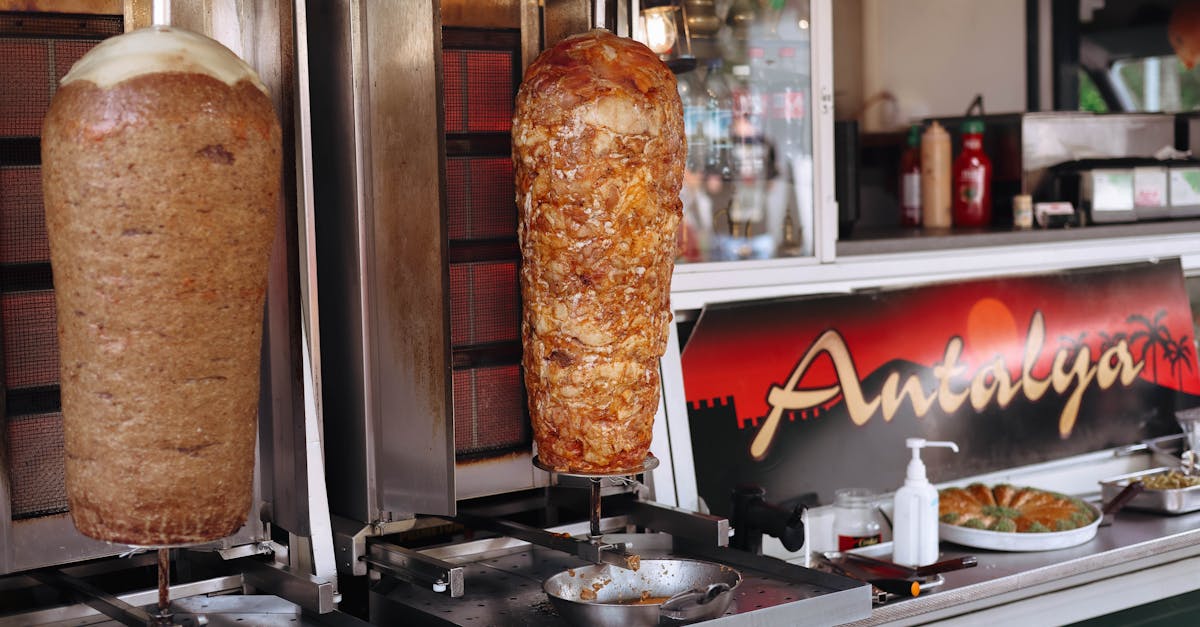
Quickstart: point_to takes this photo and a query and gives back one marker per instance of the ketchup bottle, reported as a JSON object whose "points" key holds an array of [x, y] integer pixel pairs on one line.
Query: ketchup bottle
{"points": [[972, 179], [910, 179]]}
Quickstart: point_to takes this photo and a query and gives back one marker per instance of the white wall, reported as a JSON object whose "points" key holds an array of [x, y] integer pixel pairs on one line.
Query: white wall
{"points": [[934, 56]]}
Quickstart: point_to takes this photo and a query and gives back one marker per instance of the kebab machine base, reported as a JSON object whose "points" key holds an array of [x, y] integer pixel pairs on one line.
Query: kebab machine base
{"points": [[645, 564]]}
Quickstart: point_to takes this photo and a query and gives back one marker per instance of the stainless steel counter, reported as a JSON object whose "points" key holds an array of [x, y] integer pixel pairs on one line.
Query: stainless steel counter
{"points": [[1141, 557]]}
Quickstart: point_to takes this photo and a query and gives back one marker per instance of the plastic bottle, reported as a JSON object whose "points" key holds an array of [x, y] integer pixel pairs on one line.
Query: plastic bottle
{"points": [[915, 517], [972, 179], [748, 149], [910, 179], [787, 106], [695, 229], [935, 177], [718, 122], [694, 99]]}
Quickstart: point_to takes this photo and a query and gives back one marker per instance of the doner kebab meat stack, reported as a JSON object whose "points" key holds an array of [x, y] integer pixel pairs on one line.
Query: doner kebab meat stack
{"points": [[598, 148], [161, 164]]}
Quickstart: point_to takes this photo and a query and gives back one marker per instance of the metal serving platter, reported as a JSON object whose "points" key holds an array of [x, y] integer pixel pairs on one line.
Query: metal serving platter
{"points": [[1012, 541], [1172, 501]]}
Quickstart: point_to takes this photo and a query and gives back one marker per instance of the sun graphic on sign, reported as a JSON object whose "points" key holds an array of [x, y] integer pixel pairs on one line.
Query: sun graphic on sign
{"points": [[991, 329]]}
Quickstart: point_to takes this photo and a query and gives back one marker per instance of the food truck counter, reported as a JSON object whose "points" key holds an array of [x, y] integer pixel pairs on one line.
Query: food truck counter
{"points": [[1141, 557]]}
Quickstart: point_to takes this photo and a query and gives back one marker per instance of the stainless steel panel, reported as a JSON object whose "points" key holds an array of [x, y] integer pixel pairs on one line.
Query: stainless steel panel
{"points": [[531, 32], [380, 207], [409, 273], [482, 13], [137, 14], [561, 18], [339, 147], [270, 42]]}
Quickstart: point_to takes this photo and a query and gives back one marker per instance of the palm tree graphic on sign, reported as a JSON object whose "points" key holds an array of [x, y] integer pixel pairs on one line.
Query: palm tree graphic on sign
{"points": [[1179, 355], [1154, 337]]}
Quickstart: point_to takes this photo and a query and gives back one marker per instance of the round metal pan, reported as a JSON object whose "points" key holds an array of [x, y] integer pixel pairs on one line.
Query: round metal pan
{"points": [[1011, 541], [601, 594]]}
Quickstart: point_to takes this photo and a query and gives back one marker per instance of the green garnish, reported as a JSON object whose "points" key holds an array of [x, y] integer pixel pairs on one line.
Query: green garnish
{"points": [[1000, 512], [1004, 524]]}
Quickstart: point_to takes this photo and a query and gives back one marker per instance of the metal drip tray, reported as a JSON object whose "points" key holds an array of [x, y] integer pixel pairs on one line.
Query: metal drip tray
{"points": [[504, 587]]}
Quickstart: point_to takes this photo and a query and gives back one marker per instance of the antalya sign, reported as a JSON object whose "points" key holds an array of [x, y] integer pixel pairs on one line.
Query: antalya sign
{"points": [[944, 361], [990, 382]]}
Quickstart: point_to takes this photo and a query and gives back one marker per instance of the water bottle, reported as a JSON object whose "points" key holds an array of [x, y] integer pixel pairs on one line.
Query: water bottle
{"points": [[718, 121], [694, 99], [789, 107]]}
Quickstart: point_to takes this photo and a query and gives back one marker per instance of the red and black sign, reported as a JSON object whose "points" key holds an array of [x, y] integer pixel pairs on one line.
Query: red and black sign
{"points": [[812, 394]]}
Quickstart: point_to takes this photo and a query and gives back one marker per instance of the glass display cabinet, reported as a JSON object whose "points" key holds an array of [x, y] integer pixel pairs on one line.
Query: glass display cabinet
{"points": [[756, 122]]}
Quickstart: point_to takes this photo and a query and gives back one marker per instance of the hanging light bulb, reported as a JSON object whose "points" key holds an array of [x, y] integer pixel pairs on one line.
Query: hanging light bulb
{"points": [[660, 28]]}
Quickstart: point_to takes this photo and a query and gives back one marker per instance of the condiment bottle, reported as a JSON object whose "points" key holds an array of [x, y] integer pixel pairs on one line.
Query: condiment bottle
{"points": [[915, 517], [854, 521], [910, 179], [972, 179], [935, 177], [1023, 211]]}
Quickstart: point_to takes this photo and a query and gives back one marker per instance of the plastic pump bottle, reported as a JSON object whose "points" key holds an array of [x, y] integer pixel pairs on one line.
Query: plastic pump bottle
{"points": [[915, 518]]}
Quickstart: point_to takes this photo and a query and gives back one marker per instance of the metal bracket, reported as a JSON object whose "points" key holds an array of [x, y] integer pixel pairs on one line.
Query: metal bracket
{"points": [[416, 568], [592, 551], [350, 541], [702, 528], [310, 592]]}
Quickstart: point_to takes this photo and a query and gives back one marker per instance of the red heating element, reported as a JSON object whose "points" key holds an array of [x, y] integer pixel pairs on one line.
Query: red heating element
{"points": [[485, 304]]}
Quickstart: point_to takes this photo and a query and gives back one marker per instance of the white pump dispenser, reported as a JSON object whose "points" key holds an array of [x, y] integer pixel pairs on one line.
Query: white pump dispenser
{"points": [[915, 517]]}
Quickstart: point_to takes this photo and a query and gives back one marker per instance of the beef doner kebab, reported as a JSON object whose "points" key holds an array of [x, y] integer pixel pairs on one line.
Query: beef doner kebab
{"points": [[598, 148], [161, 164]]}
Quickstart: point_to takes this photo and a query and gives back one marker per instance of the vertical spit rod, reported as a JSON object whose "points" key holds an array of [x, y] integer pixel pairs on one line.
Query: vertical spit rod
{"points": [[595, 502], [164, 577]]}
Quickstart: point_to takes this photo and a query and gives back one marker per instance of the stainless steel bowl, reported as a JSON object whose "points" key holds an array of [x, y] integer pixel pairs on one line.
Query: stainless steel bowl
{"points": [[660, 592]]}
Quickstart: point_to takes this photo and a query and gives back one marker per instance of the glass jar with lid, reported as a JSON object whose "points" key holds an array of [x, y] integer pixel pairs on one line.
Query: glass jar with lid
{"points": [[855, 522]]}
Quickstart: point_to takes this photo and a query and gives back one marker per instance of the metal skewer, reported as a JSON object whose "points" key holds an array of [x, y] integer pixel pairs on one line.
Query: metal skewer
{"points": [[594, 523], [164, 588], [598, 550]]}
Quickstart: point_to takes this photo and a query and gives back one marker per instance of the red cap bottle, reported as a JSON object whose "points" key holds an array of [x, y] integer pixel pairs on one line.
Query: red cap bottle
{"points": [[972, 179]]}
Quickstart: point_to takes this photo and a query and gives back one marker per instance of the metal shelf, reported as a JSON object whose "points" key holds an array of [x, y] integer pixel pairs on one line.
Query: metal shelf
{"points": [[865, 264]]}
